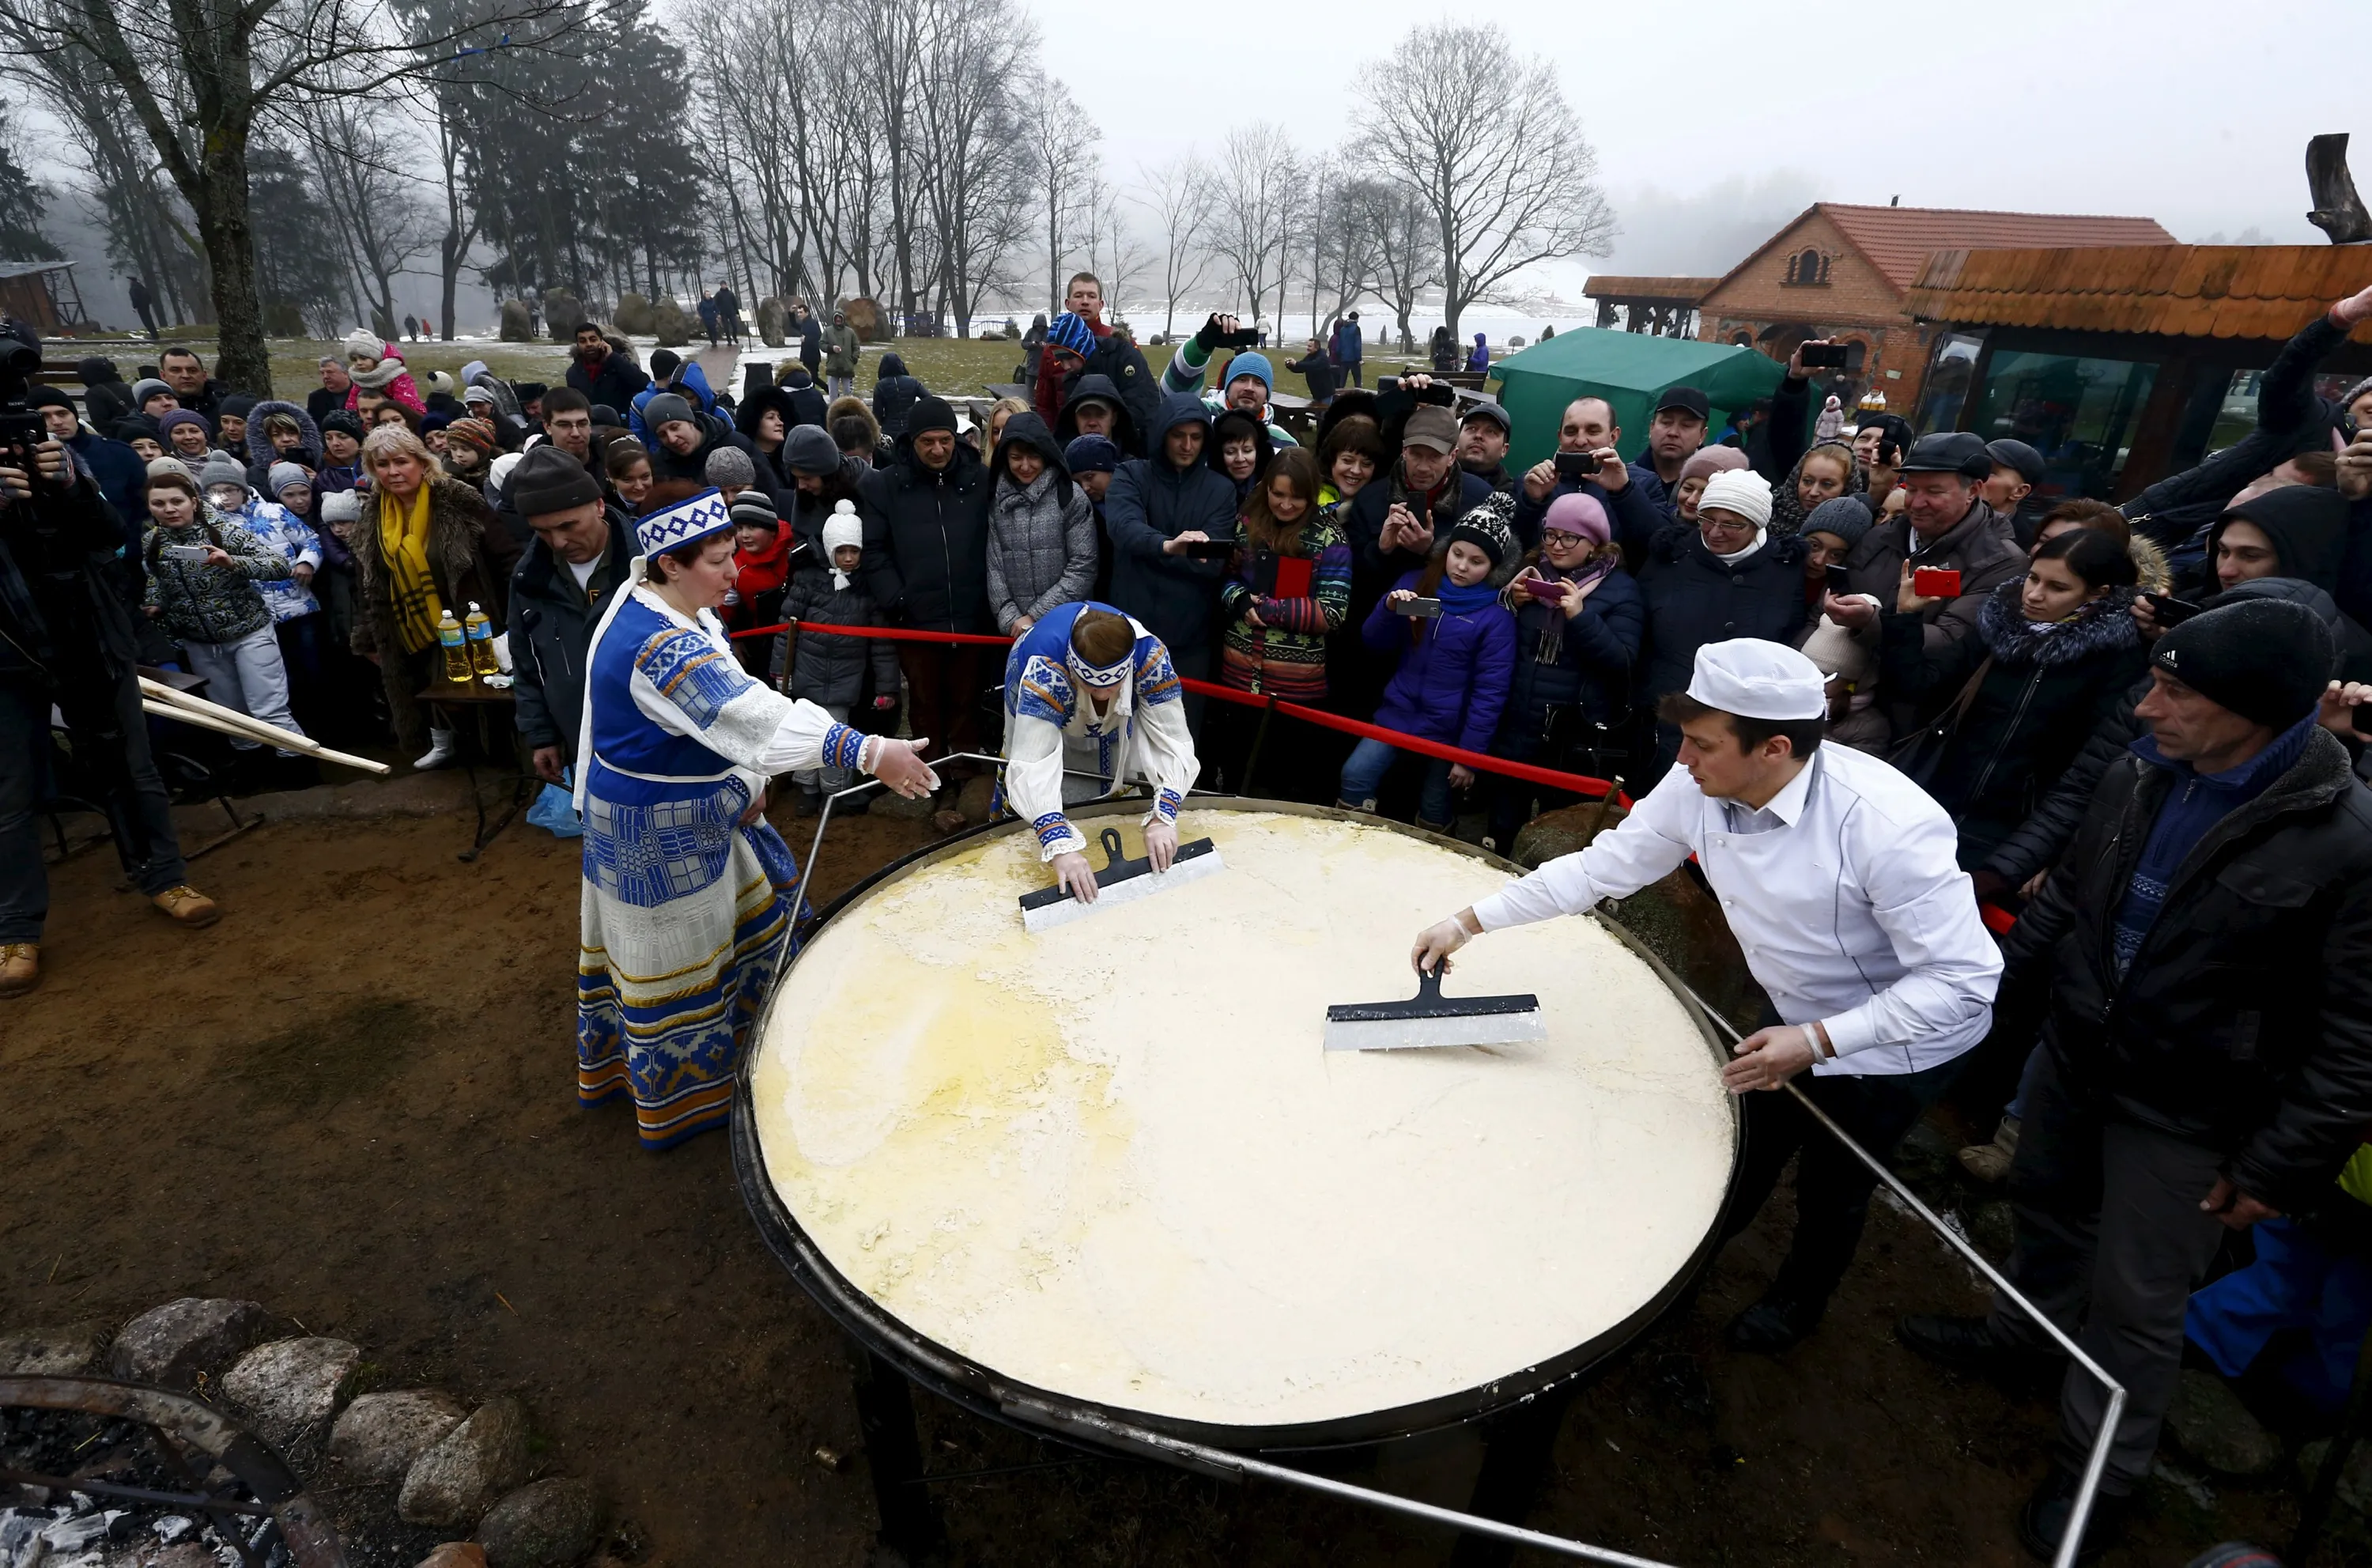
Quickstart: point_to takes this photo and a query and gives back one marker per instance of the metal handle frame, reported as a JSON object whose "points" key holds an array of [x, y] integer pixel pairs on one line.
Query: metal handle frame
{"points": [[1224, 1463], [2095, 1462]]}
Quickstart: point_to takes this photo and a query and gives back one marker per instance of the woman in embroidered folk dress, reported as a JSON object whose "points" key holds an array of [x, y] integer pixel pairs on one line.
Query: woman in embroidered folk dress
{"points": [[686, 900], [1090, 688]]}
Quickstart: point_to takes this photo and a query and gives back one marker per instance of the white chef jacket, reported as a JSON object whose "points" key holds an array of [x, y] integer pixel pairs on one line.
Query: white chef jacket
{"points": [[1849, 901]]}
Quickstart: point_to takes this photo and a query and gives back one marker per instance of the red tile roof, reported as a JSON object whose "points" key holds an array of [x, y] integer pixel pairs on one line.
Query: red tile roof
{"points": [[1898, 241], [2197, 291]]}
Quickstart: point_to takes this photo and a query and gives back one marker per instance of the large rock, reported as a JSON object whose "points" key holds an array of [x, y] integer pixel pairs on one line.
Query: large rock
{"points": [[172, 1346], [774, 320], [517, 322], [2354, 1490], [634, 315], [452, 1483], [562, 312], [548, 1524], [670, 323], [2209, 1421], [1565, 831], [872, 322], [68, 1352], [289, 1391], [379, 1436], [974, 799], [455, 1555]]}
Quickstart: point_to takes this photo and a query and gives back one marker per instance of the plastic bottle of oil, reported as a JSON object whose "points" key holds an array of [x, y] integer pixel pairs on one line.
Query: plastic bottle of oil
{"points": [[450, 637], [480, 632]]}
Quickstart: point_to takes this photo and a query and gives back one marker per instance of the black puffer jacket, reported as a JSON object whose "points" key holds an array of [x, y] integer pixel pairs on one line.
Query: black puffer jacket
{"points": [[926, 543], [2047, 830], [2045, 694], [894, 393], [1694, 597], [2244, 1022]]}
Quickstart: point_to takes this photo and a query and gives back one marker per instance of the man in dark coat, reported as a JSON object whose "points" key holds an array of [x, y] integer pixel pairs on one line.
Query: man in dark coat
{"points": [[123, 477], [66, 641], [1482, 436], [809, 405], [810, 333], [104, 395], [1590, 440], [2199, 968], [927, 567], [581, 554], [1155, 508], [1096, 408], [182, 370], [602, 374]]}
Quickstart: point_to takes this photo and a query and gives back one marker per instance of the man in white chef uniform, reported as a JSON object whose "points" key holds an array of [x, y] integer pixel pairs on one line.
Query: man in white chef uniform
{"points": [[1840, 879]]}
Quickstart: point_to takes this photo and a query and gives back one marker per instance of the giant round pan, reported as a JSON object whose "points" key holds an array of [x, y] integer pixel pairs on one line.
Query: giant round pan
{"points": [[1107, 1172]]}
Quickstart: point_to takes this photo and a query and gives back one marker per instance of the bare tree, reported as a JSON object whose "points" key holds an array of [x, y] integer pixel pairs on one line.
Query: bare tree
{"points": [[1061, 140], [975, 164], [1407, 249], [1259, 189], [1346, 252], [1489, 142], [375, 202], [1181, 196], [198, 76]]}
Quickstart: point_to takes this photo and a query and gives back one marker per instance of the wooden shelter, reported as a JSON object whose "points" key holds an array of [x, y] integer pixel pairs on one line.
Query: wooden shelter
{"points": [[1664, 307], [2122, 366], [43, 294]]}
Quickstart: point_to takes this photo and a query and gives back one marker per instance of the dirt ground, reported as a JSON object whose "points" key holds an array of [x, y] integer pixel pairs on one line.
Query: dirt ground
{"points": [[352, 1100]]}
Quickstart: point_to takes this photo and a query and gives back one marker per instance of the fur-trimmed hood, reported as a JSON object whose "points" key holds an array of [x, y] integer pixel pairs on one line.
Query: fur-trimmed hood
{"points": [[259, 445], [2104, 625]]}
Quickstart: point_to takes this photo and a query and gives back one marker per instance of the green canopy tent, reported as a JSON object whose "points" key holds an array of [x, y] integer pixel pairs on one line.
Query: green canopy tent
{"points": [[1630, 371]]}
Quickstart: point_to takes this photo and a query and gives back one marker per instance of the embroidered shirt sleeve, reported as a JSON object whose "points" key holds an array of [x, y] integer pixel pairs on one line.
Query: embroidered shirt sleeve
{"points": [[1044, 693], [692, 674], [1157, 679]]}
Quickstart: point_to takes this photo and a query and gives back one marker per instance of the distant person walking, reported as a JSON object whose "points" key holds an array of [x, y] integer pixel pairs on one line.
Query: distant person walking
{"points": [[1348, 348], [144, 304]]}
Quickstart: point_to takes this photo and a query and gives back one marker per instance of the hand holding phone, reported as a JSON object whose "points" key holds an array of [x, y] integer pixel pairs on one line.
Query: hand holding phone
{"points": [[2170, 612], [1838, 580], [1416, 609], [1543, 588], [1209, 549], [195, 554], [1821, 356], [1573, 468], [1934, 581]]}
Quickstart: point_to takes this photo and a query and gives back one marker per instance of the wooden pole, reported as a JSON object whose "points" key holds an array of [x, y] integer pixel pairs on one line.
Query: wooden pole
{"points": [[166, 702]]}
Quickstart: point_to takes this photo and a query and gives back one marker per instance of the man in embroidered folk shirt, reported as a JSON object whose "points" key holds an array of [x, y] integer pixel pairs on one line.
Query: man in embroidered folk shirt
{"points": [[1840, 879], [1090, 701]]}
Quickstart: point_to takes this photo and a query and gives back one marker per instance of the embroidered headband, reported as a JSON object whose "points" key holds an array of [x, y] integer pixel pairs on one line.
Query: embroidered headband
{"points": [[1101, 676], [697, 518]]}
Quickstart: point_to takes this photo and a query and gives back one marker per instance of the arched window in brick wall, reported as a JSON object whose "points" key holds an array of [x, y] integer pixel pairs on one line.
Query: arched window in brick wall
{"points": [[1808, 267]]}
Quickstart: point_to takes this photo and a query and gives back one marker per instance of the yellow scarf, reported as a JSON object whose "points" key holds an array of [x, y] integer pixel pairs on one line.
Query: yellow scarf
{"points": [[404, 545]]}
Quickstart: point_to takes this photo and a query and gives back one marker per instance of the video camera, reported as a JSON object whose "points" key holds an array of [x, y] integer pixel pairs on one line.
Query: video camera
{"points": [[20, 428]]}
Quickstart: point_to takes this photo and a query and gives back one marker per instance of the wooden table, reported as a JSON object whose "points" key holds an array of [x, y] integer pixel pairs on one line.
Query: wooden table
{"points": [[485, 704]]}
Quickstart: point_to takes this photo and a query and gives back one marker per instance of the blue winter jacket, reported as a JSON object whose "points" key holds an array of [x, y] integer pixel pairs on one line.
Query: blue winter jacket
{"points": [[1451, 684]]}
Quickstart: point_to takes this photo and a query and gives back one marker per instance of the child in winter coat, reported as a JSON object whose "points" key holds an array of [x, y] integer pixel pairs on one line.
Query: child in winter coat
{"points": [[1451, 680], [203, 577], [374, 365], [764, 557], [825, 668], [1288, 587], [1042, 549]]}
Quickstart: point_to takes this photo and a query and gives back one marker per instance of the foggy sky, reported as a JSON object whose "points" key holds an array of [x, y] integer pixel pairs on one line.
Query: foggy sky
{"points": [[1718, 119]]}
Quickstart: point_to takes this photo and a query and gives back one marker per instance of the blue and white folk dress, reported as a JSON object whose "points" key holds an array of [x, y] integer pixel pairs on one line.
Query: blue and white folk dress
{"points": [[1059, 751], [684, 911]]}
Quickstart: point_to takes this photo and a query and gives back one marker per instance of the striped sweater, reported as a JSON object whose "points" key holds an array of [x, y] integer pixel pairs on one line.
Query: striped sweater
{"points": [[1285, 655]]}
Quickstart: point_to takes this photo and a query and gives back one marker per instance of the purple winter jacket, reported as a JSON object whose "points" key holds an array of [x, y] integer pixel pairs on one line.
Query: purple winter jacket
{"points": [[1451, 686]]}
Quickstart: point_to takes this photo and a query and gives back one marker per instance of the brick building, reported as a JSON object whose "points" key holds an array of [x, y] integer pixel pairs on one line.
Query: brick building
{"points": [[1846, 272]]}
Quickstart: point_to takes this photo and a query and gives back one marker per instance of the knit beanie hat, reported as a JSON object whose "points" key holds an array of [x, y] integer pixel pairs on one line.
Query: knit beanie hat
{"points": [[843, 527], [809, 448], [48, 397], [172, 470], [148, 386], [1847, 517], [342, 507], [473, 395], [166, 423], [238, 405], [1576, 513], [665, 408], [361, 345], [473, 432], [752, 510], [730, 465], [223, 468], [1251, 363], [1068, 331], [280, 476], [2267, 660], [548, 480], [1707, 461], [1091, 453], [1487, 532], [1742, 491], [931, 414], [342, 421]]}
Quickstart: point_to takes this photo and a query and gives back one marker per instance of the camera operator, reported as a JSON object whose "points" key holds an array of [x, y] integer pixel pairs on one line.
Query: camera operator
{"points": [[67, 641]]}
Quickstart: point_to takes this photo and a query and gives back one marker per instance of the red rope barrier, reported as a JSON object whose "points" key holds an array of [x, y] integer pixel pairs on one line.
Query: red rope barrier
{"points": [[1575, 783]]}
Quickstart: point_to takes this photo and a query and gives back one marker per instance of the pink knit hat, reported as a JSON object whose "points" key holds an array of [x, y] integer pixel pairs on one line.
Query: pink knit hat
{"points": [[1575, 513], [1708, 461]]}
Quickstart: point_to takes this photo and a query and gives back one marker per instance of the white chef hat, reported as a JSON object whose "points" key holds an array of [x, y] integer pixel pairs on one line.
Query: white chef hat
{"points": [[1756, 678], [1742, 491]]}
